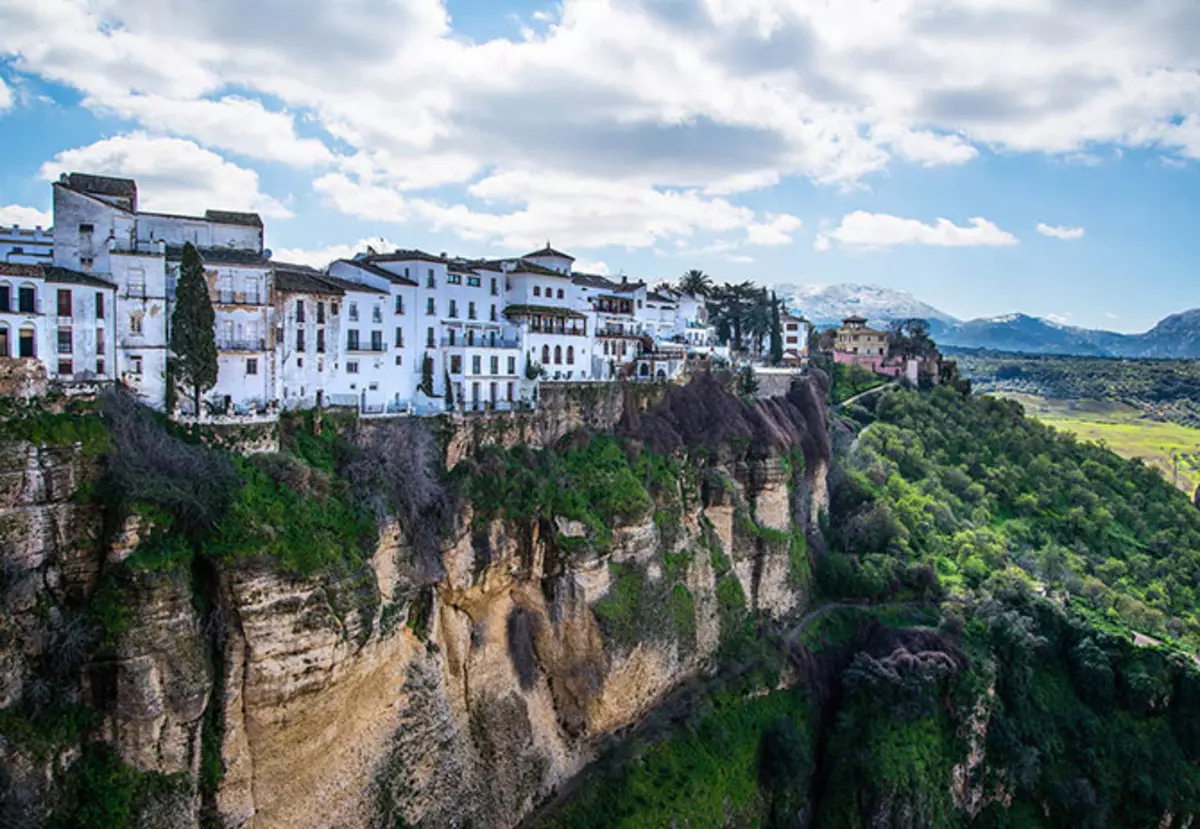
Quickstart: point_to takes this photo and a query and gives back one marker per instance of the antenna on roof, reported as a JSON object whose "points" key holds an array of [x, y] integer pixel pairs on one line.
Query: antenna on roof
{"points": [[371, 251]]}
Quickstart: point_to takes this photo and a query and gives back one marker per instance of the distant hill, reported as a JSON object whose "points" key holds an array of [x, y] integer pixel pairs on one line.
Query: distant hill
{"points": [[1175, 337]]}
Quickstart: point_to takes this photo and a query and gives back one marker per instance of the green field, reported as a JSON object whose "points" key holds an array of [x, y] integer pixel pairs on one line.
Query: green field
{"points": [[1126, 431]]}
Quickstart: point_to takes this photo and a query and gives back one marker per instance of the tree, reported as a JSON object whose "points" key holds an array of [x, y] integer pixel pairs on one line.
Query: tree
{"points": [[728, 307], [776, 332], [426, 385], [695, 283], [193, 331], [910, 338], [449, 391]]}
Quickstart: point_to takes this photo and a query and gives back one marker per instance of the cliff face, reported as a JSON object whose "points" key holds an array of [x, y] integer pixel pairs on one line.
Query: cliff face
{"points": [[360, 697]]}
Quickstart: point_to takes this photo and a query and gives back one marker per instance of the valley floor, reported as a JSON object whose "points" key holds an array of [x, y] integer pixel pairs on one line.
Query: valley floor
{"points": [[1126, 431]]}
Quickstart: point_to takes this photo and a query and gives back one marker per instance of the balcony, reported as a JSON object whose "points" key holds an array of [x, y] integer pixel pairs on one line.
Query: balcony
{"points": [[142, 246], [241, 345], [240, 298], [366, 348], [565, 330], [460, 343]]}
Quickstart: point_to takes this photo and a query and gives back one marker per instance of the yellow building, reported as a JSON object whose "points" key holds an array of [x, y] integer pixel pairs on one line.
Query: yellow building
{"points": [[855, 338]]}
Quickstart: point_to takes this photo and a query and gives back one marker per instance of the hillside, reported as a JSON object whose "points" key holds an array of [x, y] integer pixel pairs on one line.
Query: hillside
{"points": [[1175, 337]]}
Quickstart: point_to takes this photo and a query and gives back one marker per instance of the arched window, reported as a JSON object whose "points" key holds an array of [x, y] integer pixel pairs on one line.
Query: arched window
{"points": [[558, 355], [27, 299], [537, 291], [6, 297], [545, 355], [570, 355], [4, 346], [560, 293]]}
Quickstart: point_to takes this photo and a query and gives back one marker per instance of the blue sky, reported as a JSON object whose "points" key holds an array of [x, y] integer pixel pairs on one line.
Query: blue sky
{"points": [[918, 144]]}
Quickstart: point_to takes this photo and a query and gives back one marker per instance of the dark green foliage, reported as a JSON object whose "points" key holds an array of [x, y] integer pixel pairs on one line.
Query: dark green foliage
{"points": [[193, 337], [776, 331], [449, 390], [747, 383], [849, 380], [39, 422], [101, 792], [1166, 389], [953, 490]]}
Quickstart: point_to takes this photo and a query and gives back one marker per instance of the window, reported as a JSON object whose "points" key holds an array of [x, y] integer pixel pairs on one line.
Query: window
{"points": [[65, 367], [251, 366], [512, 365], [471, 310], [453, 336], [99, 365], [453, 279], [333, 308], [135, 365], [453, 309], [494, 291], [64, 302], [560, 293], [300, 339], [5, 300], [455, 364], [495, 365], [476, 365], [399, 304], [377, 341], [377, 313], [352, 339], [493, 317], [320, 313], [429, 338], [99, 305], [570, 355], [353, 312], [299, 310], [399, 338], [510, 392], [545, 355], [430, 307], [537, 290], [320, 340], [352, 367], [100, 342], [373, 386], [558, 355], [472, 281], [399, 359], [86, 229], [471, 337], [606, 349], [791, 340], [25, 343], [430, 282], [135, 324], [27, 299]]}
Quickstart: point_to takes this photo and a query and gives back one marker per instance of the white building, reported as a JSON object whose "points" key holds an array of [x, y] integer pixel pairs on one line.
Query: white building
{"points": [[794, 329], [541, 314], [28, 246], [307, 352], [658, 314], [617, 337]]}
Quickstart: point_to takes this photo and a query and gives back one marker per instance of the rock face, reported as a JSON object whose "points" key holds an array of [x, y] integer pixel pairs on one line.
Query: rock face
{"points": [[343, 701]]}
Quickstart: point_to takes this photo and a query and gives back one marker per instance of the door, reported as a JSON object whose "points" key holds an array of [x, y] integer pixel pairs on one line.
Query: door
{"points": [[26, 343]]}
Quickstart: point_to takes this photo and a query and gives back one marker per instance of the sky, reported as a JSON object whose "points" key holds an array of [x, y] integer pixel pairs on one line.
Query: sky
{"points": [[988, 156]]}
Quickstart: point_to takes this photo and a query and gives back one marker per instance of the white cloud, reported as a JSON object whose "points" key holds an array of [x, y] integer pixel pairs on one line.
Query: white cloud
{"points": [[740, 259], [6, 96], [236, 124], [692, 99], [585, 266], [173, 175], [775, 230], [15, 214], [320, 257], [1060, 231], [1111, 315], [863, 229]]}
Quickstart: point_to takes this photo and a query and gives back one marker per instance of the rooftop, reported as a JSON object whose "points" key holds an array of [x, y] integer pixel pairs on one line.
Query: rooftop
{"points": [[542, 310], [100, 185], [549, 251], [592, 280], [53, 273], [402, 256], [370, 267], [231, 217], [236, 256], [301, 279], [21, 270], [351, 285]]}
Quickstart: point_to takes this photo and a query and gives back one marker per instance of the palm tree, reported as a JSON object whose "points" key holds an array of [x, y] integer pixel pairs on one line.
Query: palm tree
{"points": [[695, 283], [760, 317]]}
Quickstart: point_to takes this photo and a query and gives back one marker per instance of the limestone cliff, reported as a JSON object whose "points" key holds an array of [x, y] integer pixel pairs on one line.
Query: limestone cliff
{"points": [[366, 695]]}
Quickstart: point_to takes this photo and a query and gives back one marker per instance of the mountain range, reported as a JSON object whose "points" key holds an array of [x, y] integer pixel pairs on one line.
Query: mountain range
{"points": [[1174, 337]]}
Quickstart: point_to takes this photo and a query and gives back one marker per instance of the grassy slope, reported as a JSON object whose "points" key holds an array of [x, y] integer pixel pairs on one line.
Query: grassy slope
{"points": [[1126, 431]]}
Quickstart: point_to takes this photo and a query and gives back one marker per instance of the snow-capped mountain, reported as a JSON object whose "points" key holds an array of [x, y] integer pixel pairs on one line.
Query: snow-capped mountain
{"points": [[830, 304]]}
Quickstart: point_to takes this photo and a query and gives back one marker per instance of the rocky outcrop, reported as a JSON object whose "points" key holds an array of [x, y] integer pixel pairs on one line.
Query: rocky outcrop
{"points": [[363, 698]]}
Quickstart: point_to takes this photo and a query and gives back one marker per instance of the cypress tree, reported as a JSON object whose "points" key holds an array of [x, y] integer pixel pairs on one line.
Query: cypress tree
{"points": [[193, 332], [776, 333], [426, 387], [449, 391]]}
